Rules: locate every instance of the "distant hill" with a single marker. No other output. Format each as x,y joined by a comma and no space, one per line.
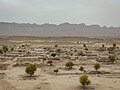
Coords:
52,30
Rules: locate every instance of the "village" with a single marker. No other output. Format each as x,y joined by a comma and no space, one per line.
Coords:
51,57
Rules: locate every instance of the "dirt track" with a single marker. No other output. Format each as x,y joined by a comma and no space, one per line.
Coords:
4,85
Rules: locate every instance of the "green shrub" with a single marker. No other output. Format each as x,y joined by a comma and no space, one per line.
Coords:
84,81
69,64
112,58
31,69
97,66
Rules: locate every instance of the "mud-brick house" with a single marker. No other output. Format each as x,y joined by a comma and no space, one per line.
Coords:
91,55
118,55
102,59
3,66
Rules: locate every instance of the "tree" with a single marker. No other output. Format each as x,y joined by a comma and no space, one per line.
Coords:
69,64
97,66
103,45
112,58
114,45
84,81
117,47
86,48
5,48
50,62
56,45
12,49
84,45
53,54
31,69
81,68
56,71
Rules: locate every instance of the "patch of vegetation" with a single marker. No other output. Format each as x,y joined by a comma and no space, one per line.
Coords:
84,45
97,66
112,58
50,62
114,45
86,48
56,45
69,64
5,48
81,68
56,71
84,81
53,54
31,69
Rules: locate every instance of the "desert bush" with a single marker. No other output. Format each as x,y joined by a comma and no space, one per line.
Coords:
103,45
81,68
114,45
86,48
12,49
31,69
84,81
56,45
84,45
69,64
112,58
19,50
97,66
56,71
5,48
53,54
50,62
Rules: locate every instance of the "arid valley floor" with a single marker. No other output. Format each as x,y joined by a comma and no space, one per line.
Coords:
25,50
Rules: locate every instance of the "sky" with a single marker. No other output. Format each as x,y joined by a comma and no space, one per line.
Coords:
101,12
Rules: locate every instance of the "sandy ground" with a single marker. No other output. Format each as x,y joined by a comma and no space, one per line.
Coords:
14,77
14,80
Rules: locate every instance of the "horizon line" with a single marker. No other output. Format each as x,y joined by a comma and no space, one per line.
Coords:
10,22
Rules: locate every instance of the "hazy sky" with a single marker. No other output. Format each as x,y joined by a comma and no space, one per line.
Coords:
102,12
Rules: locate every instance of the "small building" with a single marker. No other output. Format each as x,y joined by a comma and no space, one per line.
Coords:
3,66
102,59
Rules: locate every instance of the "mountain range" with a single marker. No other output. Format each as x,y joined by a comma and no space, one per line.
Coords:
53,30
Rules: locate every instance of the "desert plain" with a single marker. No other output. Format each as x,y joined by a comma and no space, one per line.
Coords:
23,51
